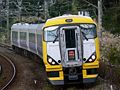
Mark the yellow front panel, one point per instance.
(59, 21)
(62, 20)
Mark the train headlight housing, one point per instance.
(51, 61)
(92, 58)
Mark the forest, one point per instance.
(111, 10)
(37, 10)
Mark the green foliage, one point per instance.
(60, 7)
(111, 20)
(74, 7)
(34, 1)
(70, 7)
(113, 55)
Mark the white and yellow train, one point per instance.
(68, 44)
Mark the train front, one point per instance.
(71, 50)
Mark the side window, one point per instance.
(32, 37)
(39, 39)
(23, 35)
(14, 35)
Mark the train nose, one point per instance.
(72, 71)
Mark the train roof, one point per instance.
(26, 26)
(62, 20)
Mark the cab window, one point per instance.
(89, 30)
(50, 33)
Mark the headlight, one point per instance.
(51, 61)
(92, 58)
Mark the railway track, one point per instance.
(8, 72)
(102, 84)
(8, 46)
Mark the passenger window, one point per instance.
(32, 37)
(23, 36)
(14, 35)
(39, 39)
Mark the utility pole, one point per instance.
(46, 9)
(8, 32)
(100, 17)
(0, 13)
(20, 8)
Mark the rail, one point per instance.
(14, 71)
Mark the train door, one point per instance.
(70, 46)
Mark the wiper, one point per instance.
(55, 39)
(56, 36)
(84, 36)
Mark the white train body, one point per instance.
(28, 37)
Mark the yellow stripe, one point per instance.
(91, 65)
(53, 68)
(97, 46)
(90, 76)
(44, 46)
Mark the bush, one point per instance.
(110, 48)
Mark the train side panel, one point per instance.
(27, 37)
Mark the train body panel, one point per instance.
(28, 37)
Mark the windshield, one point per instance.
(50, 34)
(89, 30)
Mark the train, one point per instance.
(68, 44)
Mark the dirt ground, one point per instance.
(31, 76)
